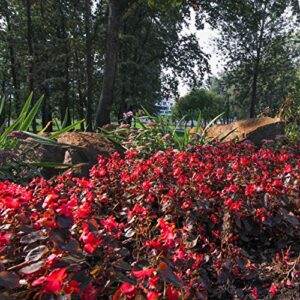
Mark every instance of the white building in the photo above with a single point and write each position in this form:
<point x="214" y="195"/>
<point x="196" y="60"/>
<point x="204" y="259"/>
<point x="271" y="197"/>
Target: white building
<point x="165" y="106"/>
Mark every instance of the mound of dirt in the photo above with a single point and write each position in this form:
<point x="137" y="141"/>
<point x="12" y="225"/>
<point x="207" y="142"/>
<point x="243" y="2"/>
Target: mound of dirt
<point x="82" y="152"/>
<point x="255" y="130"/>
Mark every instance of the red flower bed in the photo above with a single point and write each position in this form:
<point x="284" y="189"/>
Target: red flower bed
<point x="220" y="221"/>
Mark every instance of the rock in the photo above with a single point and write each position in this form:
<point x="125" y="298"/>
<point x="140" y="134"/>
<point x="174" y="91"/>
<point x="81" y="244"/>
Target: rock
<point x="91" y="145"/>
<point x="82" y="153"/>
<point x="110" y="127"/>
<point x="54" y="154"/>
<point x="32" y="151"/>
<point x="80" y="170"/>
<point x="255" y="130"/>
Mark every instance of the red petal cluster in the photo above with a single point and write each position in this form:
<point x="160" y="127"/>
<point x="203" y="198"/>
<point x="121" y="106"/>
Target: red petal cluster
<point x="180" y="225"/>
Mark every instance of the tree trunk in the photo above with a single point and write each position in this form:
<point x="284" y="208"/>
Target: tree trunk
<point x="12" y="58"/>
<point x="116" y="8"/>
<point x="227" y="110"/>
<point x="47" y="111"/>
<point x="254" y="87"/>
<point x="47" y="117"/>
<point x="192" y="123"/>
<point x="3" y="84"/>
<point x="3" y="114"/>
<point x="79" y="89"/>
<point x="31" y="54"/>
<point x="122" y="109"/>
<point x="254" y="99"/>
<point x="124" y="95"/>
<point x="46" y="105"/>
<point x="9" y="116"/>
<point x="81" y="108"/>
<point x="89" y="65"/>
<point x="65" y="105"/>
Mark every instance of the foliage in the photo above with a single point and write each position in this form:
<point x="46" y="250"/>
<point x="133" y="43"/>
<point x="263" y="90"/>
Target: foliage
<point x="291" y="111"/>
<point x="19" y="149"/>
<point x="159" y="134"/>
<point x="198" y="101"/>
<point x="68" y="50"/>
<point x="228" y="96"/>
<point x="218" y="221"/>
<point x="258" y="43"/>
<point x="12" y="163"/>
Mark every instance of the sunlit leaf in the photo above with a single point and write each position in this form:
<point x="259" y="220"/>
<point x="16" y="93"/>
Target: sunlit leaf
<point x="33" y="237"/>
<point x="32" y="268"/>
<point x="36" y="253"/>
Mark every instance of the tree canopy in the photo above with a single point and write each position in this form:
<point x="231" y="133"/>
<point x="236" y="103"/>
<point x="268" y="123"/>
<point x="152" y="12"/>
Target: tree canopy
<point x="257" y="40"/>
<point x="94" y="59"/>
<point x="80" y="54"/>
<point x="198" y="101"/>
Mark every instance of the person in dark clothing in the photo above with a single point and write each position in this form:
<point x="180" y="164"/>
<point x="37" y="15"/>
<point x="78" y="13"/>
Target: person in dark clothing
<point x="127" y="116"/>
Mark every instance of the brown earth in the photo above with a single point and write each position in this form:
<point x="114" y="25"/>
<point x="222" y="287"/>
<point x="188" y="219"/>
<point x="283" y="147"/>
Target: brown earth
<point x="82" y="152"/>
<point x="255" y="130"/>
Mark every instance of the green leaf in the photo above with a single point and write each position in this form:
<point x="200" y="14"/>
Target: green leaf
<point x="19" y="120"/>
<point x="148" y="114"/>
<point x="198" y="125"/>
<point x="227" y="134"/>
<point x="9" y="129"/>
<point x="140" y="123"/>
<point x="25" y="108"/>
<point x="2" y="104"/>
<point x="177" y="126"/>
<point x="57" y="124"/>
<point x="212" y="122"/>
<point x="44" y="140"/>
<point x="66" y="129"/>
<point x="186" y="137"/>
<point x="28" y="119"/>
<point x="113" y="136"/>
<point x="178" y="141"/>
<point x="51" y="165"/>
<point x="64" y="123"/>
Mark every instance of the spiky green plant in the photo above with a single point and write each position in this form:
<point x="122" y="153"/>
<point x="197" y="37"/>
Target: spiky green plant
<point x="17" y="153"/>
<point x="158" y="134"/>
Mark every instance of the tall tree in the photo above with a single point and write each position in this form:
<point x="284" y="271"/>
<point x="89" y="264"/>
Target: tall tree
<point x="167" y="19"/>
<point x="12" y="54"/>
<point x="249" y="31"/>
<point x="89" y="64"/>
<point x="30" y="52"/>
<point x="63" y="35"/>
<point x="116" y="9"/>
<point x="126" y="52"/>
<point x="154" y="55"/>
<point x="197" y="101"/>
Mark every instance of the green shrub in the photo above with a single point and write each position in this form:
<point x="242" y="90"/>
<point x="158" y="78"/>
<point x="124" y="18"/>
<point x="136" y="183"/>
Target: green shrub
<point x="159" y="135"/>
<point x="19" y="149"/>
<point x="292" y="119"/>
